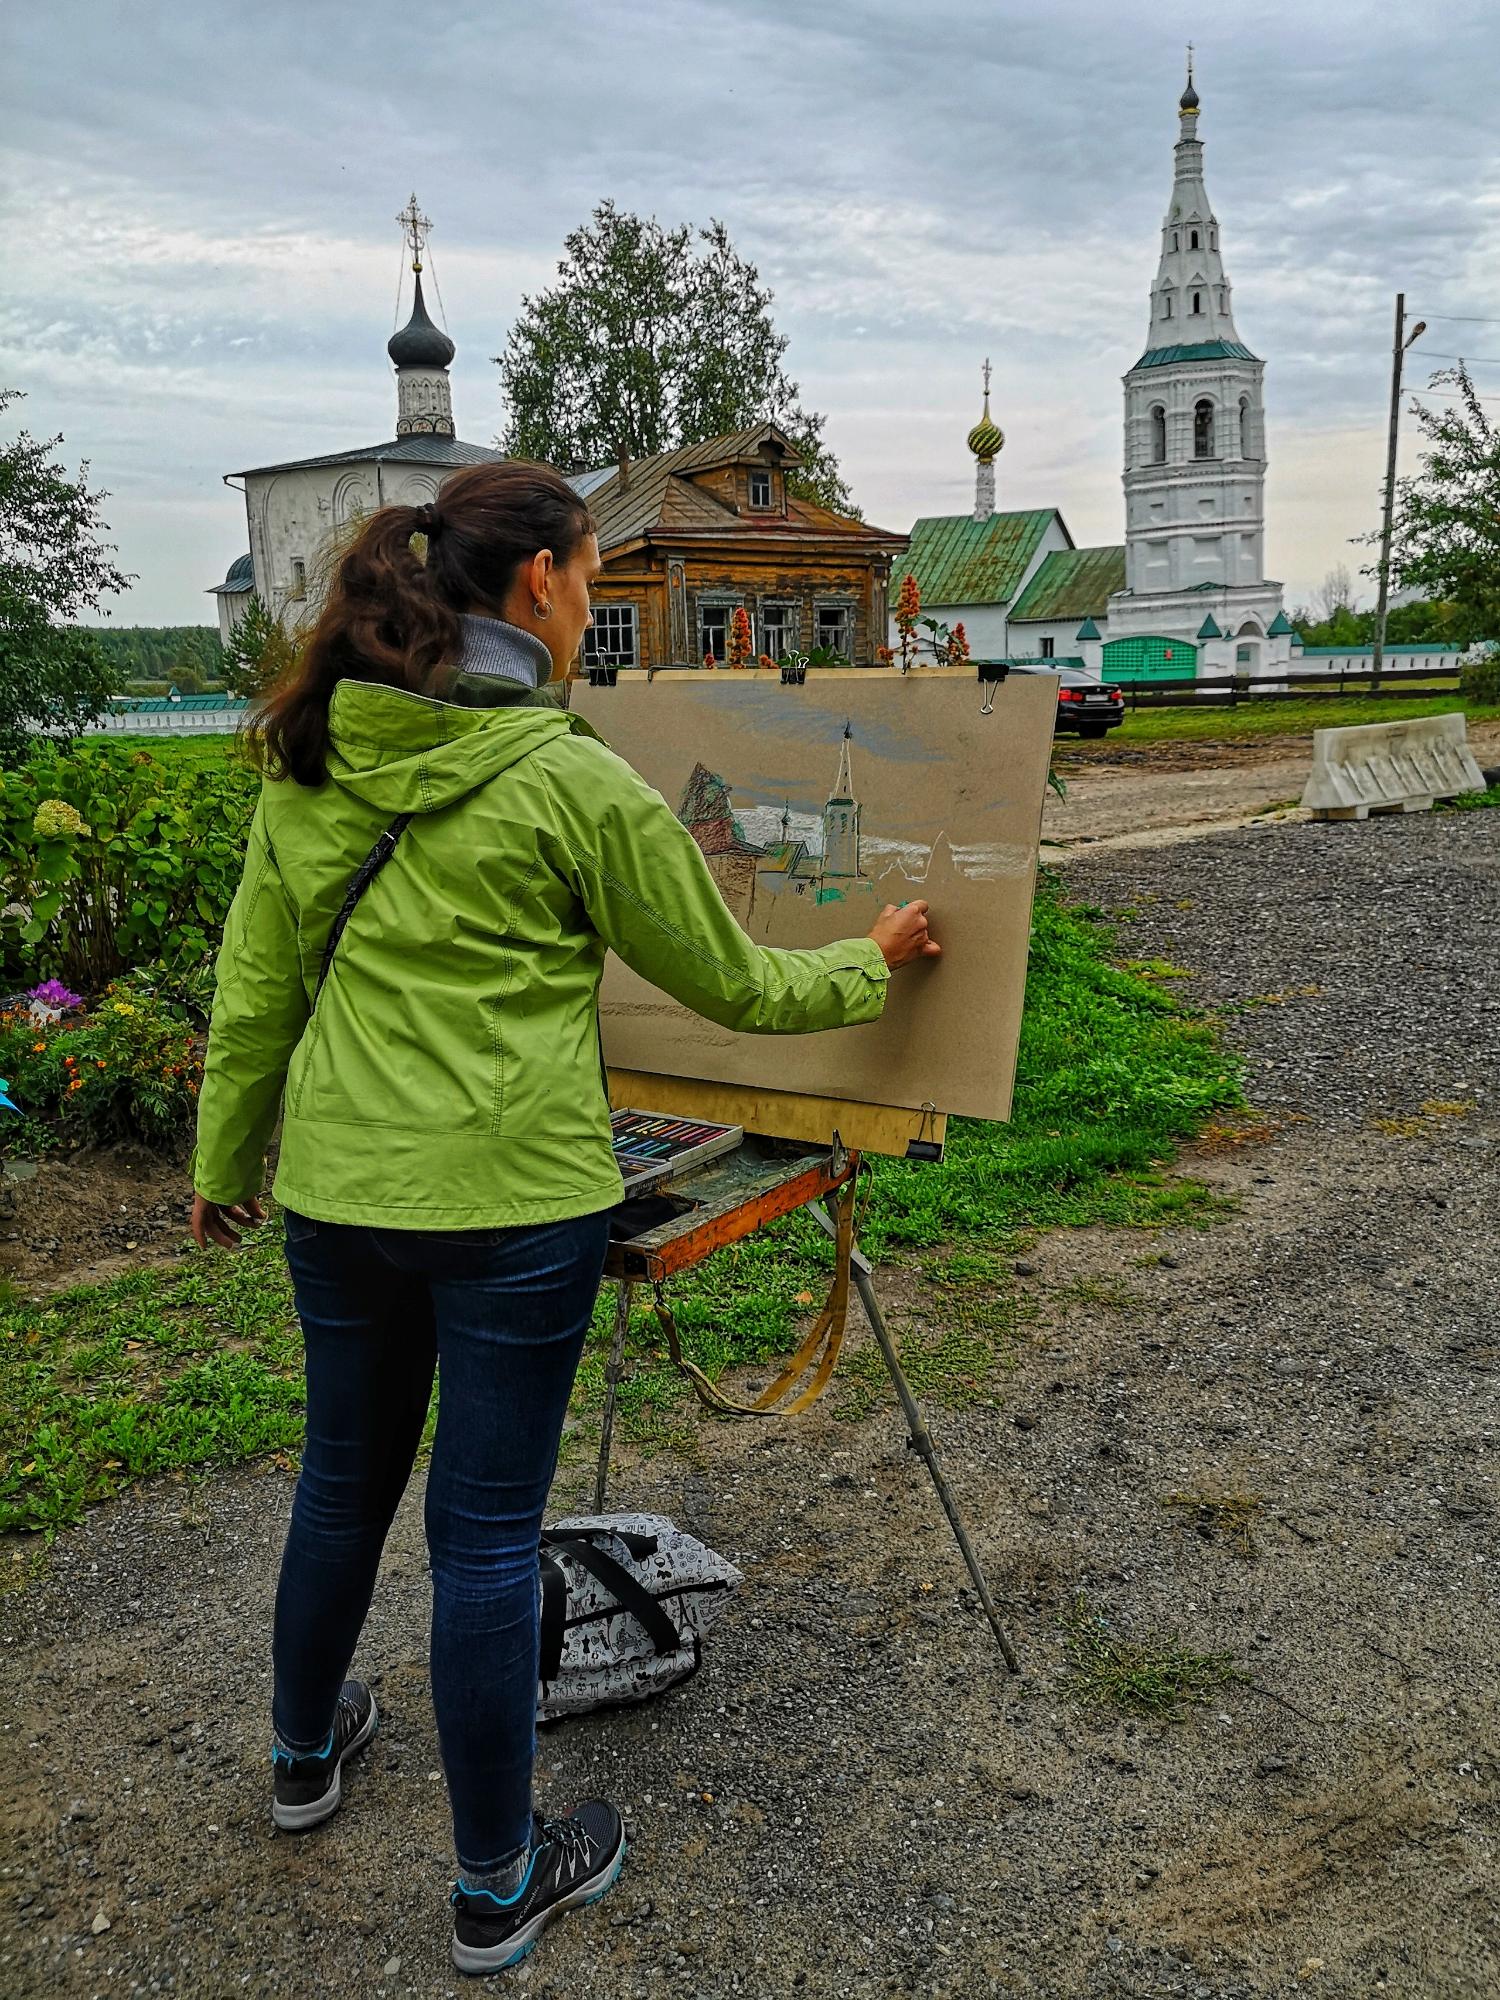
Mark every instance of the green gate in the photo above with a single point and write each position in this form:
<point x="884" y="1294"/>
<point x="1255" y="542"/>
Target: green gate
<point x="1150" y="658"/>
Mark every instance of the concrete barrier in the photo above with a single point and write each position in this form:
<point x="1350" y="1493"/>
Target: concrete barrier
<point x="1390" y="767"/>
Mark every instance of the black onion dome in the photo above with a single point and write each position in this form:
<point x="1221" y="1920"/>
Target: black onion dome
<point x="420" y="344"/>
<point x="1189" y="98"/>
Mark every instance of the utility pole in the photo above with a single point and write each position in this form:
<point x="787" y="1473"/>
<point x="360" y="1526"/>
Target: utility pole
<point x="1398" y="355"/>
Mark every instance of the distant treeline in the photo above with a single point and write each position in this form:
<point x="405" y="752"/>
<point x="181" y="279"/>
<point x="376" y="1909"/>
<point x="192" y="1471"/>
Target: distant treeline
<point x="170" y="653"/>
<point x="1420" y="623"/>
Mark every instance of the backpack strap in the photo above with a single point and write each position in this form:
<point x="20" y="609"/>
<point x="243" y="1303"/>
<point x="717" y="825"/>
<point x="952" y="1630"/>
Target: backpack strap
<point x="628" y="1592"/>
<point x="554" y="1616"/>
<point x="361" y="879"/>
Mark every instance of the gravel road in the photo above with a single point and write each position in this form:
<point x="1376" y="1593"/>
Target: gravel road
<point x="853" y="1799"/>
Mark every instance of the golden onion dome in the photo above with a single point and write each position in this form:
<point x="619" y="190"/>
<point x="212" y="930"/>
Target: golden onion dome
<point x="986" y="438"/>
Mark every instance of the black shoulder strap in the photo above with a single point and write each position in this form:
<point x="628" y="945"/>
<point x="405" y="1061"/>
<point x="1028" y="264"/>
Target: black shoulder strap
<point x="361" y="879"/>
<point x="628" y="1593"/>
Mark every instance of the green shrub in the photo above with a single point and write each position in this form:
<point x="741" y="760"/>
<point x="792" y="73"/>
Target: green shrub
<point x="129" y="1070"/>
<point x="1479" y="680"/>
<point x="112" y="858"/>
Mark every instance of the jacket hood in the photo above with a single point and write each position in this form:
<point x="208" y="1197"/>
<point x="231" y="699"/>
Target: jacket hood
<point x="403" y="752"/>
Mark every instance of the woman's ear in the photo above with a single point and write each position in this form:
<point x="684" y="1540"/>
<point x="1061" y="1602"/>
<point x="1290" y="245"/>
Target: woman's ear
<point x="540" y="577"/>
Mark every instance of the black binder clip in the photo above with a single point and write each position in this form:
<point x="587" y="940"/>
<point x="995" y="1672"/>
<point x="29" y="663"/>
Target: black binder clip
<point x="991" y="674"/>
<point x="603" y="677"/>
<point x="793" y="676"/>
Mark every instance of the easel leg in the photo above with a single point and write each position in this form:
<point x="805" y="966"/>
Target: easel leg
<point x="921" y="1437"/>
<point x="611" y="1391"/>
<point x="921" y="1440"/>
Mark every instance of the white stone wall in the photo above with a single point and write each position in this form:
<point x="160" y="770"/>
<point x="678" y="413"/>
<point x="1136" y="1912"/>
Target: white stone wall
<point x="294" y="517"/>
<point x="1026" y="638"/>
<point x="1191" y="520"/>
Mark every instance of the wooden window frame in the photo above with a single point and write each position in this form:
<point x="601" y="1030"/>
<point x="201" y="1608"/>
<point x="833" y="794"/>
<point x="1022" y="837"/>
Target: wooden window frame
<point x="596" y="656"/>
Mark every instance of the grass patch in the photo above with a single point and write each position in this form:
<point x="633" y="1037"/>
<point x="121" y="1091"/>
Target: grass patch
<point x="201" y="1364"/>
<point x="1470" y="801"/>
<point x="1153" y="1676"/>
<point x="1226" y="1516"/>
<point x="1251" y="719"/>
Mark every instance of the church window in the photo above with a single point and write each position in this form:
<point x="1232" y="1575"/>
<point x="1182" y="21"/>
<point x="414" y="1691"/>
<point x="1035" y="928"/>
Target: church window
<point x="834" y="628"/>
<point x="1203" y="429"/>
<point x="1049" y="647"/>
<point x="1193" y="240"/>
<point x="1176" y="243"/>
<point x="1213" y="236"/>
<point x="611" y="640"/>
<point x="1197" y="302"/>
<point x="1247" y="432"/>
<point x="1166" y="305"/>
<point x="299" y="578"/>
<point x="1158" y="434"/>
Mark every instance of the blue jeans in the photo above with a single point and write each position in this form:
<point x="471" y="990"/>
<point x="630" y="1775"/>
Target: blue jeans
<point x="501" y="1314"/>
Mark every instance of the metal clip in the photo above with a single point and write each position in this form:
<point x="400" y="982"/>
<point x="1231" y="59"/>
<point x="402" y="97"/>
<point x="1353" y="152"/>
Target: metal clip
<point x="991" y="674"/>
<point x="603" y="677"/>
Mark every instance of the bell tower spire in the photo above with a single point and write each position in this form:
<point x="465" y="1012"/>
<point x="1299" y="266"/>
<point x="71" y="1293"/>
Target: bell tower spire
<point x="985" y="441"/>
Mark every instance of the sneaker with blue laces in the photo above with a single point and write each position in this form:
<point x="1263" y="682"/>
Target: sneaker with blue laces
<point x="307" y="1786"/>
<point x="573" y="1861"/>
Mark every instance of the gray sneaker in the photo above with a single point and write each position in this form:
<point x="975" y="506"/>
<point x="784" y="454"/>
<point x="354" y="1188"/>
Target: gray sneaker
<point x="574" y="1860"/>
<point x="307" y="1789"/>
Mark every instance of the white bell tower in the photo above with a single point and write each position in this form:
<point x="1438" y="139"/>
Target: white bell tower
<point x="1195" y="452"/>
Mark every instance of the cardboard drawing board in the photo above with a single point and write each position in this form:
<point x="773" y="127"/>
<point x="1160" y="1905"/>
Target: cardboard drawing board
<point x="814" y="807"/>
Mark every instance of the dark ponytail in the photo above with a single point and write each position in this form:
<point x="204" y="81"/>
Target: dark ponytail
<point x="391" y="614"/>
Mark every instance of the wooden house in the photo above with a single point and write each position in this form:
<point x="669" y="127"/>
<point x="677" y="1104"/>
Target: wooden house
<point x="691" y="536"/>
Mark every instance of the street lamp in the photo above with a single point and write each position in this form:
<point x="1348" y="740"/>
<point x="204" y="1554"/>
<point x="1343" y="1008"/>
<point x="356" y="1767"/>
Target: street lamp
<point x="1398" y="355"/>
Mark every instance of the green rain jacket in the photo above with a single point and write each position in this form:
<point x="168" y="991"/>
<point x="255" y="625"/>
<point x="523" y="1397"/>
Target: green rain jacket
<point x="450" y="1074"/>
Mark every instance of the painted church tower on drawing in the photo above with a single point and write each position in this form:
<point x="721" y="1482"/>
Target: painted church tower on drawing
<point x="1195" y="451"/>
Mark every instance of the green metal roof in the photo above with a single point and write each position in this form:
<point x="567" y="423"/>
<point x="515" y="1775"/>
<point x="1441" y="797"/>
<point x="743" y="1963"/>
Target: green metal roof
<point x="1087" y="630"/>
<point x="1279" y="626"/>
<point x="958" y="560"/>
<point x="1209" y="629"/>
<point x="182" y="704"/>
<point x="1073" y="583"/>
<point x="1198" y="350"/>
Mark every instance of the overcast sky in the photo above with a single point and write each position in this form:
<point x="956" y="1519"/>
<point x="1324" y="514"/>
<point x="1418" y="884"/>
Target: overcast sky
<point x="201" y="258"/>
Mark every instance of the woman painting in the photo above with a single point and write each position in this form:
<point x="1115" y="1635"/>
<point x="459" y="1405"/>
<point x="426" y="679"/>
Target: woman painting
<point x="445" y="1167"/>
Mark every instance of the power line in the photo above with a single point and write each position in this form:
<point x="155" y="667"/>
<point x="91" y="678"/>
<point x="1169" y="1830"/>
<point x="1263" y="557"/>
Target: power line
<point x="1461" y="319"/>
<point x="1481" y="360"/>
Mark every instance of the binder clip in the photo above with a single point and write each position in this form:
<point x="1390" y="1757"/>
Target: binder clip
<point x="603" y="677"/>
<point x="991" y="674"/>
<point x="793" y="676"/>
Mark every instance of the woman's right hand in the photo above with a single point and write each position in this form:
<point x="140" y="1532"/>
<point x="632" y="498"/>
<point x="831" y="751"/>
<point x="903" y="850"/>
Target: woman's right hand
<point x="901" y="932"/>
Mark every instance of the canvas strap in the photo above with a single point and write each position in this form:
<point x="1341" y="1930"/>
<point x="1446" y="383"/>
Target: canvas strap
<point x="818" y="1352"/>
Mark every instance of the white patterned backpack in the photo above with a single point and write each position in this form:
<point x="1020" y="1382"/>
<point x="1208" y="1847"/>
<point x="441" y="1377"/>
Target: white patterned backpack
<point x="626" y="1599"/>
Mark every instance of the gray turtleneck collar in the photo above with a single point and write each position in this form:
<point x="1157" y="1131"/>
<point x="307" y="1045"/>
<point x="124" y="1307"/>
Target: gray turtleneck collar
<point x="494" y="647"/>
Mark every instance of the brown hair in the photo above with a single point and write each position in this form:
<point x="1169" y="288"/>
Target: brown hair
<point x="391" y="615"/>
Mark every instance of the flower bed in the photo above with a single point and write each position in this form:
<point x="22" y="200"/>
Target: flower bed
<point x="129" y="1068"/>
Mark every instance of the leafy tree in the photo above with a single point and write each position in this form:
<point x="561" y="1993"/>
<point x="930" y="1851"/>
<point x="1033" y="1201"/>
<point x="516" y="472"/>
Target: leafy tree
<point x="54" y="565"/>
<point x="258" y="653"/>
<point x="161" y="652"/>
<point x="654" y="337"/>
<point x="1446" y="536"/>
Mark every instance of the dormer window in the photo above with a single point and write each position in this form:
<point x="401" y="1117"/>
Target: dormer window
<point x="761" y="490"/>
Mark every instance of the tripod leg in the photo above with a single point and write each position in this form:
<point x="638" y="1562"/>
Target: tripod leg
<point x="921" y="1440"/>
<point x="611" y="1392"/>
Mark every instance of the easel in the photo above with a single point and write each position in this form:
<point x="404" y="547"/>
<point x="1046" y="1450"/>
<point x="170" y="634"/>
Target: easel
<point x="729" y="1199"/>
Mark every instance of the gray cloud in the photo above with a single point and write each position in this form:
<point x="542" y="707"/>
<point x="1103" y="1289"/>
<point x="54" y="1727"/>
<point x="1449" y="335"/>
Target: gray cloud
<point x="203" y="260"/>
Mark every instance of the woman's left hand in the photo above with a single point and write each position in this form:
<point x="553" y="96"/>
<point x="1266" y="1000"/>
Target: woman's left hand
<point x="221" y="1221"/>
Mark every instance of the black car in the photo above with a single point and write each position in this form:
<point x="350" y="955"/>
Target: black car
<point x="1085" y="704"/>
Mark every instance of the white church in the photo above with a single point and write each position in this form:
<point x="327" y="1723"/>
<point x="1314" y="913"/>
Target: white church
<point x="293" y="508"/>
<point x="1186" y="595"/>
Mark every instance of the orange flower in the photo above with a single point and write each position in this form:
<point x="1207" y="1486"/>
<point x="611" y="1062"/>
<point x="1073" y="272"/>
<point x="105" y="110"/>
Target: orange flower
<point x="76" y="1084"/>
<point x="98" y="1062"/>
<point x="39" y="1048"/>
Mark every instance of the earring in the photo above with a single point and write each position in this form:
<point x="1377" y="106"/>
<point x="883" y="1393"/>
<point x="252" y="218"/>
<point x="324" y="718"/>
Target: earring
<point x="540" y="610"/>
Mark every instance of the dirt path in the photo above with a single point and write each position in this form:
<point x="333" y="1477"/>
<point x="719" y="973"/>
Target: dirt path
<point x="1118" y="789"/>
<point x="853" y="1799"/>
